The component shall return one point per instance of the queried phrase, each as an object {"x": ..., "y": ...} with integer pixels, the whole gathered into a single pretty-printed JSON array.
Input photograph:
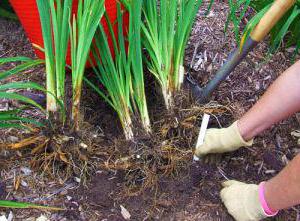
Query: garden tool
[{"x": 268, "y": 21}]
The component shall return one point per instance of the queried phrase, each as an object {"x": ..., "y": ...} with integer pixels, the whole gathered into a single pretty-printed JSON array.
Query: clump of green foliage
[
  {"x": 121, "y": 73},
  {"x": 59, "y": 28},
  {"x": 6, "y": 11},
  {"x": 166, "y": 30},
  {"x": 161, "y": 27},
  {"x": 83, "y": 28},
  {"x": 13, "y": 118},
  {"x": 287, "y": 29},
  {"x": 54, "y": 17}
]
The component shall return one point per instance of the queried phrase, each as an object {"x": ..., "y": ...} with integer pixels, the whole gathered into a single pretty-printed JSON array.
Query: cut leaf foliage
[
  {"x": 83, "y": 29},
  {"x": 13, "y": 118},
  {"x": 166, "y": 31},
  {"x": 20, "y": 205},
  {"x": 287, "y": 30},
  {"x": 122, "y": 76},
  {"x": 54, "y": 18}
]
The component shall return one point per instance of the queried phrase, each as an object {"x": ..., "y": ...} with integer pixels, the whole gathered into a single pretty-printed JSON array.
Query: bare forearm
[
  {"x": 280, "y": 101},
  {"x": 283, "y": 191}
]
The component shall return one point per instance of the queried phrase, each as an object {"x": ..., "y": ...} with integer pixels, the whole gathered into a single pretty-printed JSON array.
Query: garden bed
[{"x": 150, "y": 178}]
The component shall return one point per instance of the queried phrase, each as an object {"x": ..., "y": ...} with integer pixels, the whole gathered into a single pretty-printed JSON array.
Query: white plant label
[{"x": 202, "y": 132}]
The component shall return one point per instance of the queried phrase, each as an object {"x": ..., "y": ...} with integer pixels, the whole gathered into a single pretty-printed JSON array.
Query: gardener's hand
[
  {"x": 242, "y": 201},
  {"x": 221, "y": 141}
]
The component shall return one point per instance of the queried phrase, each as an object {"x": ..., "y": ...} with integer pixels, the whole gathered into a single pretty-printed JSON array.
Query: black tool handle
[{"x": 233, "y": 60}]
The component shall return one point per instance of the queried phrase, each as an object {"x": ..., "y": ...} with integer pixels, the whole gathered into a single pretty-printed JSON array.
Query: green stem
[
  {"x": 168, "y": 97},
  {"x": 51, "y": 88},
  {"x": 127, "y": 125}
]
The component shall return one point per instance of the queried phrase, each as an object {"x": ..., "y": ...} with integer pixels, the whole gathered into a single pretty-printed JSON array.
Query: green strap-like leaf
[
  {"x": 20, "y": 119},
  {"x": 19, "y": 205},
  {"x": 21, "y": 85},
  {"x": 22, "y": 67},
  {"x": 15, "y": 96},
  {"x": 11, "y": 125},
  {"x": 14, "y": 59},
  {"x": 285, "y": 28}
]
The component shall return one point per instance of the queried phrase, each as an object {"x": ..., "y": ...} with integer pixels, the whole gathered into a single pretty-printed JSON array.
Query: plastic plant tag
[{"x": 202, "y": 133}]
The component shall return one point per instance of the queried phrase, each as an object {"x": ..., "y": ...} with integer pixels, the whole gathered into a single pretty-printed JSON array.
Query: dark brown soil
[{"x": 175, "y": 188}]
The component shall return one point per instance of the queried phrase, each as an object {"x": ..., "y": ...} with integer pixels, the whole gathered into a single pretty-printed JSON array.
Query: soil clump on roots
[{"x": 145, "y": 171}]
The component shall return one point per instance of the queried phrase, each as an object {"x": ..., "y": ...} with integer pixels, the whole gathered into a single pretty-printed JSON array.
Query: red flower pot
[{"x": 28, "y": 14}]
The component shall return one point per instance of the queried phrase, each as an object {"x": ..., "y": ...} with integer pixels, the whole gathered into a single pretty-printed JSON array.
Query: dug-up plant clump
[
  {"x": 57, "y": 137},
  {"x": 157, "y": 137},
  {"x": 169, "y": 150}
]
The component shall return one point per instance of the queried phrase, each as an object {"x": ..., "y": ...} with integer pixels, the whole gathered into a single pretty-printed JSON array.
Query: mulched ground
[{"x": 188, "y": 193}]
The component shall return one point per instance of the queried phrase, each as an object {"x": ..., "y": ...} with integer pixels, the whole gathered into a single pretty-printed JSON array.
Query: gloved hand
[
  {"x": 242, "y": 201},
  {"x": 222, "y": 140}
]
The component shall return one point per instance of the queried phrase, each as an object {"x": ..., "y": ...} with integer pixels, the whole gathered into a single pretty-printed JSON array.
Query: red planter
[{"x": 28, "y": 14}]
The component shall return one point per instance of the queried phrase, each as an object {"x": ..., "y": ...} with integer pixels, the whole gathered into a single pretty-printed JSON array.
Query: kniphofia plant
[
  {"x": 122, "y": 75},
  {"x": 55, "y": 17},
  {"x": 83, "y": 28},
  {"x": 13, "y": 118},
  {"x": 166, "y": 31}
]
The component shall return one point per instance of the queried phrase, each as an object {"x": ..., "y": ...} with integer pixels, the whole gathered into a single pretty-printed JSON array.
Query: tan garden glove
[
  {"x": 222, "y": 140},
  {"x": 242, "y": 201}
]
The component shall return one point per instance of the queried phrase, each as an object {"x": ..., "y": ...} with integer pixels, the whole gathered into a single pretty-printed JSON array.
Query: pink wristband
[{"x": 263, "y": 201}]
